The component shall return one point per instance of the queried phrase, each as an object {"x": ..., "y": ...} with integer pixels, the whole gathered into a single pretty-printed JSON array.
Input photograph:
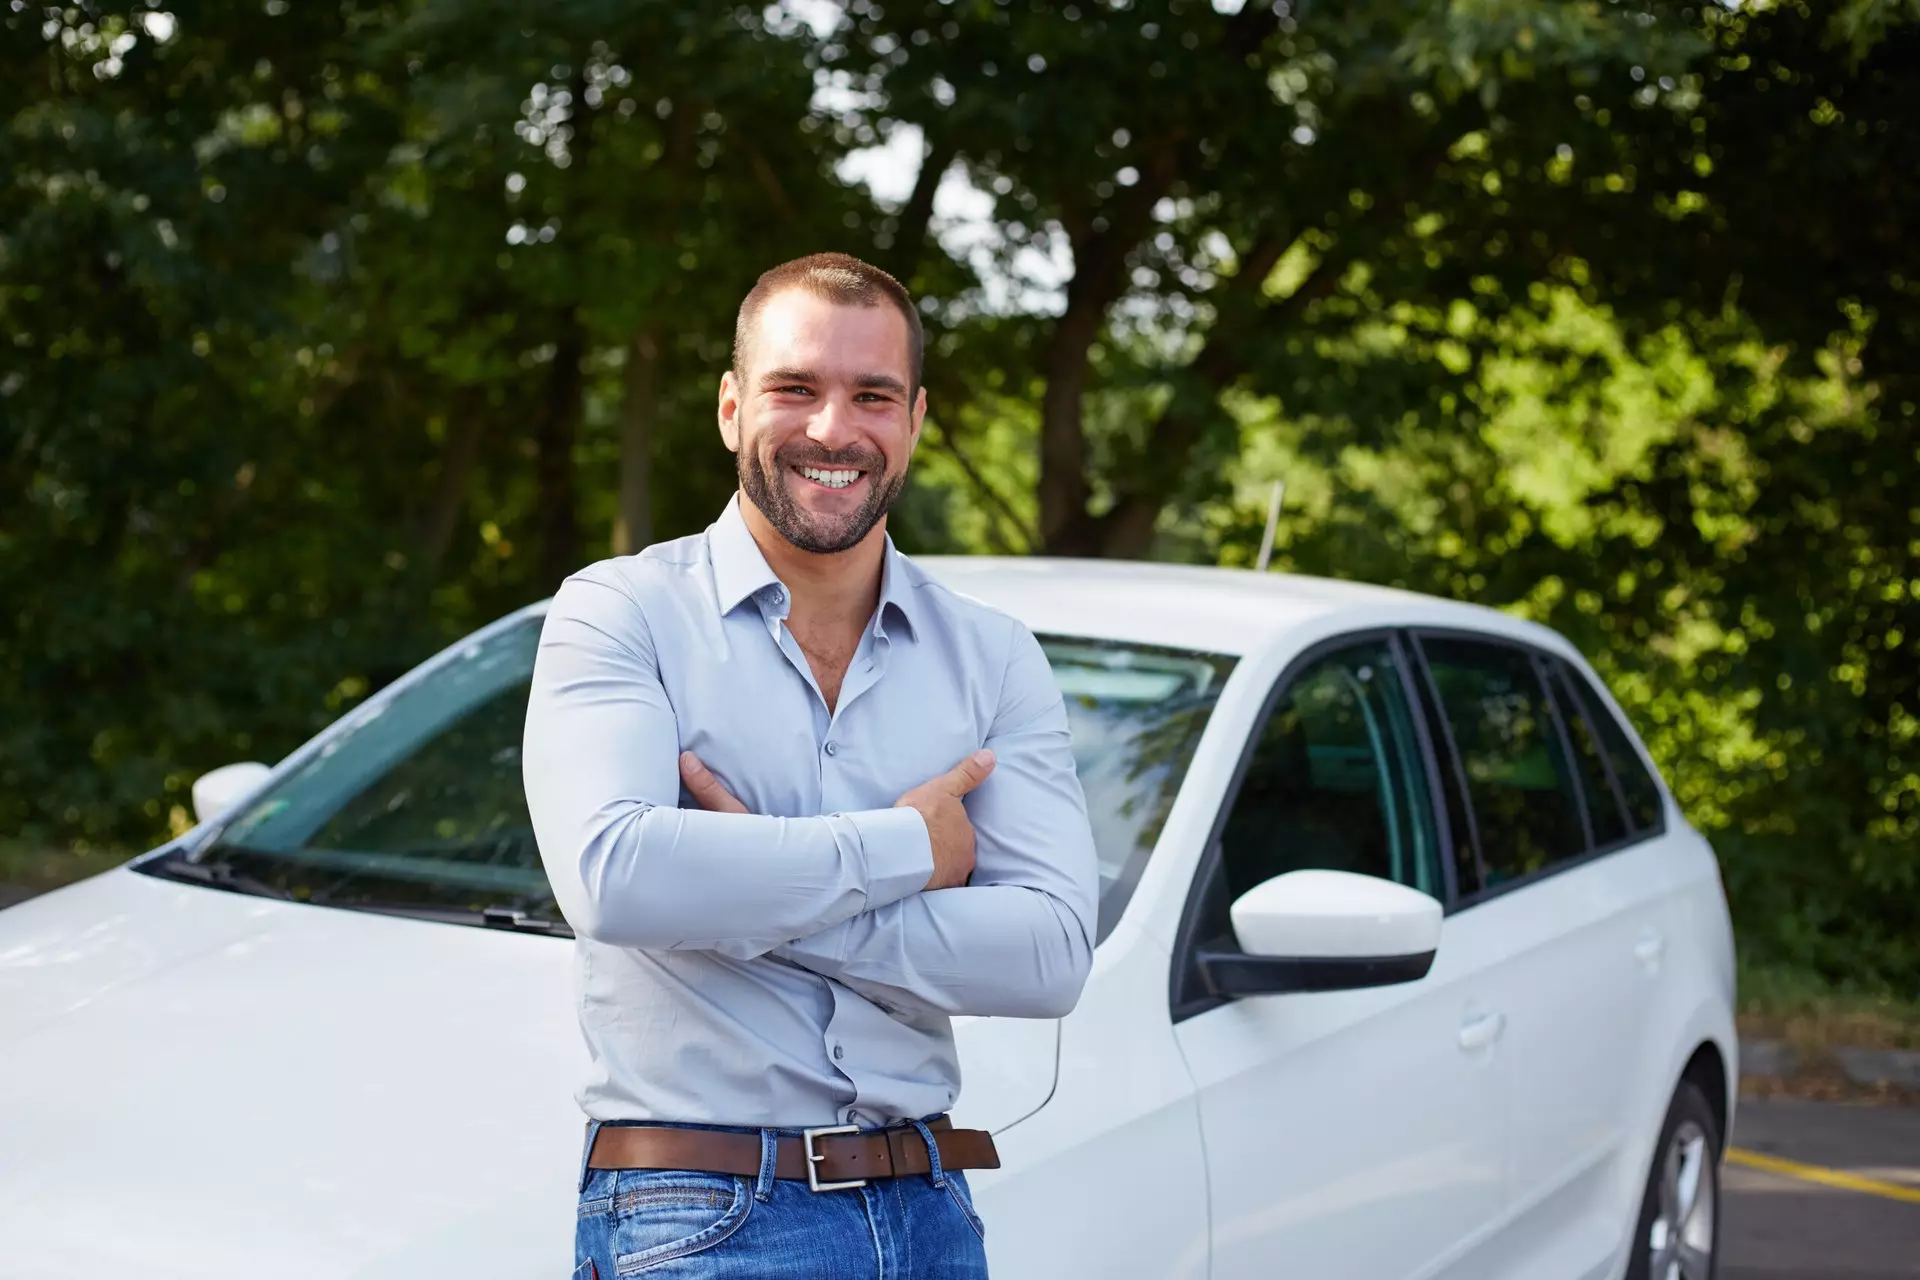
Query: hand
[
  {"x": 706, "y": 788},
  {"x": 937, "y": 800},
  {"x": 948, "y": 827}
]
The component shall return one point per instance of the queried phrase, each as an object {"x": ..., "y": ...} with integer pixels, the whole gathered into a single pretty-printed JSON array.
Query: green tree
[{"x": 1209, "y": 176}]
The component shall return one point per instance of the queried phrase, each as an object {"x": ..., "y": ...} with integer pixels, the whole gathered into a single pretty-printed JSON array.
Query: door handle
[
  {"x": 1481, "y": 1031},
  {"x": 1649, "y": 949}
]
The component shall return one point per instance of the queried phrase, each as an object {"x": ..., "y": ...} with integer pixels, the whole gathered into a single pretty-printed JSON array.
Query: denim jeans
[{"x": 669, "y": 1225}]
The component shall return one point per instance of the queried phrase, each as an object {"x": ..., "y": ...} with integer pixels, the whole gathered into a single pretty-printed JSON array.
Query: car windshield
[{"x": 416, "y": 805}]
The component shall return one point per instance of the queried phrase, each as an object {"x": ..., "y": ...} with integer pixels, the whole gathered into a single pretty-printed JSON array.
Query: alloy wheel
[{"x": 1680, "y": 1243}]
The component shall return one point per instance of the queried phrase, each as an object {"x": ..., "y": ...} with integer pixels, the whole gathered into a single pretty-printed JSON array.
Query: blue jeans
[{"x": 669, "y": 1225}]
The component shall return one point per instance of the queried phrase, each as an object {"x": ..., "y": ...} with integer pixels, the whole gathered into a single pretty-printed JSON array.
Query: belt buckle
[{"x": 814, "y": 1158}]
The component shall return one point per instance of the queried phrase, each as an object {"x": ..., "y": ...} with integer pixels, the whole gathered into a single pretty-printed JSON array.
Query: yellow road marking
[{"x": 1822, "y": 1175}]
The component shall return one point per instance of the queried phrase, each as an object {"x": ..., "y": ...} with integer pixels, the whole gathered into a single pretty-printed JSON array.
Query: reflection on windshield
[
  {"x": 1136, "y": 714},
  {"x": 417, "y": 805}
]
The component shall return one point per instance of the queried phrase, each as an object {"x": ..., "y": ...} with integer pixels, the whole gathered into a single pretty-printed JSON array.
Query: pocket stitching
[
  {"x": 973, "y": 1219},
  {"x": 632, "y": 1264},
  {"x": 706, "y": 1197}
]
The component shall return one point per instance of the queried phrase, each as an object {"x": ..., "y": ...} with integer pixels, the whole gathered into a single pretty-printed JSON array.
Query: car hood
[{"x": 198, "y": 1083}]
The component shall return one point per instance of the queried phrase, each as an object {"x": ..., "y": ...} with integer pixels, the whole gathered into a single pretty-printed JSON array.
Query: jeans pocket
[
  {"x": 657, "y": 1217},
  {"x": 962, "y": 1197}
]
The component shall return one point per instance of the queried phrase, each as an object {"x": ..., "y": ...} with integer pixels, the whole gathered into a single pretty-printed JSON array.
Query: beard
[{"x": 766, "y": 488}]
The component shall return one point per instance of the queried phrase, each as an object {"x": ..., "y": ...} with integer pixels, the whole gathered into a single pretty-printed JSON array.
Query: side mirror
[
  {"x": 1325, "y": 931},
  {"x": 216, "y": 792}
]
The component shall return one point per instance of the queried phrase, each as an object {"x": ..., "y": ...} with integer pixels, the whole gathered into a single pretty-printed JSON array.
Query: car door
[
  {"x": 1353, "y": 1133},
  {"x": 1575, "y": 919}
]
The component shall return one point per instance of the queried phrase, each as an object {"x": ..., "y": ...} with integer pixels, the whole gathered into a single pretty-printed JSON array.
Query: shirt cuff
[{"x": 898, "y": 852}]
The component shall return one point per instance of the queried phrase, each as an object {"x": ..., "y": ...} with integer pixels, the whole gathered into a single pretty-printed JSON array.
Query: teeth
[{"x": 832, "y": 479}]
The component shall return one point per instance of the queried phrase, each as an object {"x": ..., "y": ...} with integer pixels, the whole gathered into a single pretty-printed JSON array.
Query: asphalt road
[{"x": 1781, "y": 1227}]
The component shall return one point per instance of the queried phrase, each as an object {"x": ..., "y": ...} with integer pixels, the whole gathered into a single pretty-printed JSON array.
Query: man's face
[{"x": 823, "y": 422}]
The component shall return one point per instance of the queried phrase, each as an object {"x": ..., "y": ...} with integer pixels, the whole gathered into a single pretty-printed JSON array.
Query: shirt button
[
  {"x": 832, "y": 749},
  {"x": 839, "y": 1052}
]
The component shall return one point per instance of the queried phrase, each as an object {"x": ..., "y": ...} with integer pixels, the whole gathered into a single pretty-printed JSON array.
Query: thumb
[{"x": 969, "y": 773}]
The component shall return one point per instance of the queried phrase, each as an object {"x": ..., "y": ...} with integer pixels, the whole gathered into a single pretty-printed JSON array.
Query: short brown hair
[{"x": 841, "y": 279}]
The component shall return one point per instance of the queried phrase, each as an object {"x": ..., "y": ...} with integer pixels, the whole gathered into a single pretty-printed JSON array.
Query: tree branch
[
  {"x": 995, "y": 499},
  {"x": 910, "y": 230}
]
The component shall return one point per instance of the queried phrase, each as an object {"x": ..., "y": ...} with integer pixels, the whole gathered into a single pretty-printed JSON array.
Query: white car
[{"x": 1408, "y": 967}]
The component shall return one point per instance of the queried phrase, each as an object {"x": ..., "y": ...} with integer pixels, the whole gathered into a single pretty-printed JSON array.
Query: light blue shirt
[{"x": 787, "y": 967}]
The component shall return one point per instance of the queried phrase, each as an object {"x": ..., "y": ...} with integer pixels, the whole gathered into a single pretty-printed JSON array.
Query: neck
[{"x": 841, "y": 586}]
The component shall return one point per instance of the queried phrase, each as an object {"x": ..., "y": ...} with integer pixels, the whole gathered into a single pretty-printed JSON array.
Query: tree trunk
[
  {"x": 1099, "y": 278},
  {"x": 640, "y": 411},
  {"x": 559, "y": 424},
  {"x": 902, "y": 258},
  {"x": 465, "y": 425},
  {"x": 1063, "y": 444}
]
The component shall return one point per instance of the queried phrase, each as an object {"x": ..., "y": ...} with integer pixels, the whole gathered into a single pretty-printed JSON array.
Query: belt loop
[
  {"x": 586, "y": 1153},
  {"x": 934, "y": 1170},
  {"x": 769, "y": 1153}
]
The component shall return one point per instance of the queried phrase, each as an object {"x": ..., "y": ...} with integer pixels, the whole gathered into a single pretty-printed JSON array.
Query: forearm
[
  {"x": 989, "y": 950},
  {"x": 641, "y": 875}
]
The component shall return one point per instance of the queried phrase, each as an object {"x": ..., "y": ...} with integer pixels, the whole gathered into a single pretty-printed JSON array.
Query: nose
[{"x": 831, "y": 426}]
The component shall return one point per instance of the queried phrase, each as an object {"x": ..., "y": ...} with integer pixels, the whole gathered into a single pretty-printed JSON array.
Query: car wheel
[{"x": 1679, "y": 1233}]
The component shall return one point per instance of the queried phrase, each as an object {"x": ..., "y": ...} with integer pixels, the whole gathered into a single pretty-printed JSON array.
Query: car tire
[{"x": 1678, "y": 1236}]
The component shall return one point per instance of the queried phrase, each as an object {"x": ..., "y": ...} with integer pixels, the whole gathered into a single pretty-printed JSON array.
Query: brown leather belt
[{"x": 825, "y": 1159}]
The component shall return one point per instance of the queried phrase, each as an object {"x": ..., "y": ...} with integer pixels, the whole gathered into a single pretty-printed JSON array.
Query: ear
[{"x": 729, "y": 411}]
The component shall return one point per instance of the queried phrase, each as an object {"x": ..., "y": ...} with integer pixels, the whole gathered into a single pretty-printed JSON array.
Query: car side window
[
  {"x": 1638, "y": 791},
  {"x": 1605, "y": 807},
  {"x": 1335, "y": 781},
  {"x": 1525, "y": 806}
]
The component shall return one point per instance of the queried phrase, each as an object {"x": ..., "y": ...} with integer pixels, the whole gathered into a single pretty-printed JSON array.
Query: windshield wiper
[
  {"x": 219, "y": 875},
  {"x": 521, "y": 922},
  {"x": 508, "y": 918}
]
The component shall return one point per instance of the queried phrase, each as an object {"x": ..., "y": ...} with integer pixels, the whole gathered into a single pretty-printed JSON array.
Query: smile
[{"x": 831, "y": 477}]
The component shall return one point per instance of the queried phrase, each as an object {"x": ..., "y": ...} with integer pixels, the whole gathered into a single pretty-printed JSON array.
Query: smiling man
[{"x": 801, "y": 805}]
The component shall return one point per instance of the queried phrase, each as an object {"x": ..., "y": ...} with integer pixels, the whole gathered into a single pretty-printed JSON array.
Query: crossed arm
[{"x": 843, "y": 894}]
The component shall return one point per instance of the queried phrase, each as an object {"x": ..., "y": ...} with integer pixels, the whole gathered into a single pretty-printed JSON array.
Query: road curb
[{"x": 1873, "y": 1068}]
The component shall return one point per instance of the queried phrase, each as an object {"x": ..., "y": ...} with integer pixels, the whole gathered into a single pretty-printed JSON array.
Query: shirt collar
[
  {"x": 896, "y": 590},
  {"x": 740, "y": 570}
]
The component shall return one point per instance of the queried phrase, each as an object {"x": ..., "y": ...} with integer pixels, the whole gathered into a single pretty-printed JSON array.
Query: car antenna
[{"x": 1273, "y": 522}]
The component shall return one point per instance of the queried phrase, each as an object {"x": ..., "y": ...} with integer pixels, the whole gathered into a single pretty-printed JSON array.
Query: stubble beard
[{"x": 823, "y": 536}]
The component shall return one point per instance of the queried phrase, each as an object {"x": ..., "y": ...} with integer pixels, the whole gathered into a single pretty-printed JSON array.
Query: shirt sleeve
[
  {"x": 600, "y": 760},
  {"x": 1017, "y": 940}
]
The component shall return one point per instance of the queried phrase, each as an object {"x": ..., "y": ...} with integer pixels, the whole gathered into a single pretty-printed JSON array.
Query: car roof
[
  {"x": 1236, "y": 612},
  {"x": 1230, "y": 611}
]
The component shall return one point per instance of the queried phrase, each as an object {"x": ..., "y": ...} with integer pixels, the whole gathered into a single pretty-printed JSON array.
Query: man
[{"x": 801, "y": 806}]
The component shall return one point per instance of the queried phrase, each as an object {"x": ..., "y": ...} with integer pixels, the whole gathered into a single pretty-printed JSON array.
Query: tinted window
[
  {"x": 1453, "y": 787},
  {"x": 1335, "y": 781},
  {"x": 418, "y": 803},
  {"x": 1637, "y": 787},
  {"x": 1604, "y": 808},
  {"x": 1525, "y": 809}
]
